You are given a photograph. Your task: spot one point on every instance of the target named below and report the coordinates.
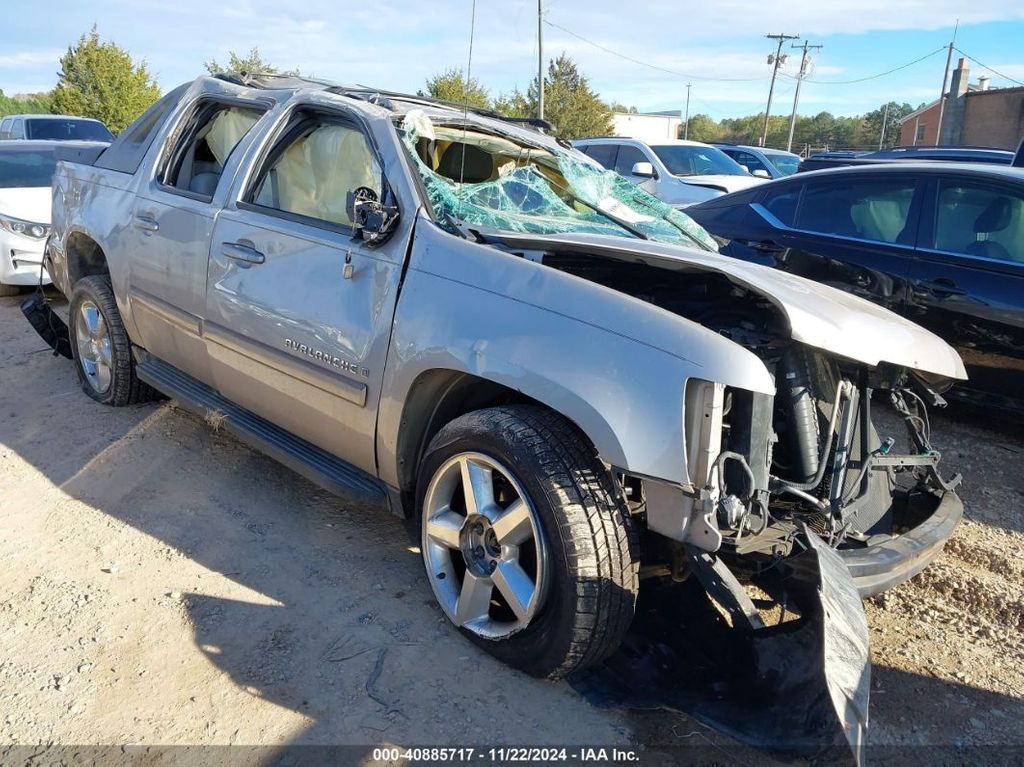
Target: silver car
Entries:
(464, 321)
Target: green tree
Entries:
(570, 105)
(452, 85)
(24, 104)
(514, 104)
(873, 123)
(101, 80)
(702, 128)
(251, 63)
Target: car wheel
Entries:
(526, 539)
(9, 290)
(101, 347)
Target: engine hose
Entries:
(801, 412)
(841, 392)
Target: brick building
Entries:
(973, 115)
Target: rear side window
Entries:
(782, 203)
(865, 210)
(67, 130)
(5, 128)
(205, 141)
(603, 153)
(130, 147)
(628, 157)
(980, 220)
(314, 169)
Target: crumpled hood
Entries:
(27, 203)
(725, 182)
(818, 315)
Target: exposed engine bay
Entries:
(810, 454)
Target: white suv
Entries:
(678, 172)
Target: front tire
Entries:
(535, 563)
(100, 345)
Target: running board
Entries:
(317, 465)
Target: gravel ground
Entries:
(160, 583)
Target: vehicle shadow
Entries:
(316, 606)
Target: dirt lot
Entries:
(162, 584)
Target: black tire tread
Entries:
(125, 386)
(599, 539)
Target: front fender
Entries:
(475, 309)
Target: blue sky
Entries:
(717, 46)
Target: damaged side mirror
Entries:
(372, 220)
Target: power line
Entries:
(873, 77)
(986, 66)
(652, 66)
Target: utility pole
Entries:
(804, 62)
(540, 59)
(945, 81)
(885, 121)
(686, 124)
(777, 61)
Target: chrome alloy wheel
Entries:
(95, 350)
(483, 547)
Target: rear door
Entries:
(967, 285)
(299, 307)
(856, 234)
(172, 221)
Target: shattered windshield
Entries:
(479, 179)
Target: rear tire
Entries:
(584, 571)
(100, 345)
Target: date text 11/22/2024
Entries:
(503, 754)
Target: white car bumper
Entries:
(21, 259)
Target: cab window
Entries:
(980, 220)
(313, 171)
(204, 144)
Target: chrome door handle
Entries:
(242, 251)
(146, 224)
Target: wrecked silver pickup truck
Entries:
(460, 318)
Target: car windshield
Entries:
(20, 169)
(688, 160)
(65, 130)
(485, 181)
(786, 164)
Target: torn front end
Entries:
(797, 510)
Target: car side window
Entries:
(314, 169)
(603, 153)
(628, 157)
(750, 162)
(5, 128)
(865, 210)
(205, 141)
(977, 219)
(18, 129)
(782, 203)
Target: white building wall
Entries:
(646, 127)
